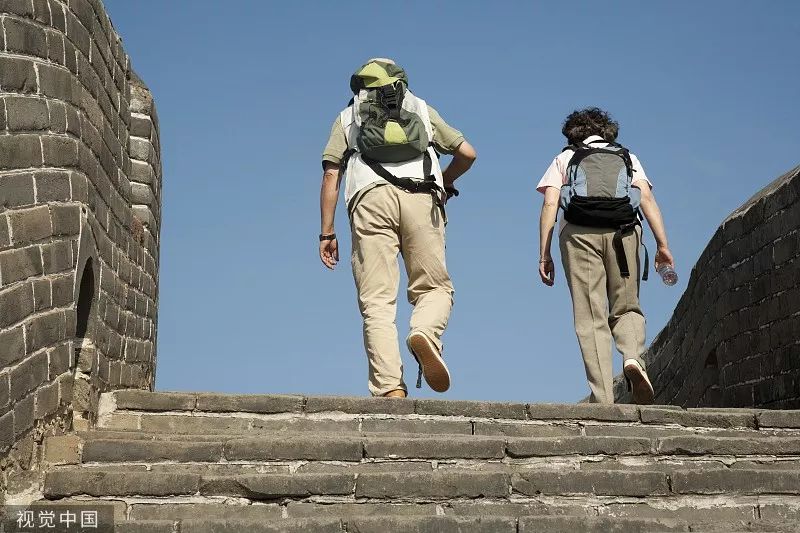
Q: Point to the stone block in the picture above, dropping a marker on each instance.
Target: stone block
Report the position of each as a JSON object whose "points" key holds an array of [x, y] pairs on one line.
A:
{"points": [[584, 411], [525, 430], [571, 524], [295, 425], [55, 52], [779, 419], [543, 447], [353, 405], [692, 418], [434, 448], [46, 330], [42, 294], [23, 37], [204, 511], [141, 400], [30, 225], [57, 257], [146, 526], [597, 482], [66, 219], [436, 485], [432, 524], [93, 482], [273, 486], [427, 427], [348, 510], [27, 114], [62, 289], [6, 430], [59, 361], [12, 343], [46, 400], [23, 415], [16, 190], [28, 375], [250, 403], [5, 236], [59, 151], [18, 76], [5, 391], [62, 450], [736, 481], [472, 409], [283, 526], [299, 447], [142, 194], [117, 450]]}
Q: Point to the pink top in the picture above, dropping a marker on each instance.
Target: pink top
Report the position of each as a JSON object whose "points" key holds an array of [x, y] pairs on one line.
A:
{"points": [[556, 173]]}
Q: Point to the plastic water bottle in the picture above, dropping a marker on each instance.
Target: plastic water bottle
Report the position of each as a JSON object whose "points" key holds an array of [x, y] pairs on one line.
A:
{"points": [[668, 274]]}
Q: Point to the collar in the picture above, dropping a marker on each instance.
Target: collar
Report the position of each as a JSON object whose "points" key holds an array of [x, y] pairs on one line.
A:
{"points": [[593, 139]]}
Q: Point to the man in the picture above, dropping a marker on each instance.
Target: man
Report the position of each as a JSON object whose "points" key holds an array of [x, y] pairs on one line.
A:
{"points": [[602, 188], [385, 144]]}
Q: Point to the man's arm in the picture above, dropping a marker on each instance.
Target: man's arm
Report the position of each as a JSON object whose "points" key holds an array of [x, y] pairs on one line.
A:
{"points": [[547, 221], [328, 197], [463, 158], [652, 213]]}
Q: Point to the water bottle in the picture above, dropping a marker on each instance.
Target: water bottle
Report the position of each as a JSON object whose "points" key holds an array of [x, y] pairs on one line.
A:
{"points": [[668, 274]]}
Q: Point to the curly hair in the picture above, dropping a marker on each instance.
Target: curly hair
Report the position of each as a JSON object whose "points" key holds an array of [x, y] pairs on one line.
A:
{"points": [[583, 123]]}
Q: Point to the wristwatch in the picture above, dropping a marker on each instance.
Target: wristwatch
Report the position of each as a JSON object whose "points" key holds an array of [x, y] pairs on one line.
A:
{"points": [[327, 237]]}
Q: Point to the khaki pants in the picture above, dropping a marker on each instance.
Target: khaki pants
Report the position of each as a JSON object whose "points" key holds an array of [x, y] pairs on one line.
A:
{"points": [[604, 304], [385, 221]]}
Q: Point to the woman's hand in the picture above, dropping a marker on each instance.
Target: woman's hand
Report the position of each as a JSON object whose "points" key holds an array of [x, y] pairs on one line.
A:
{"points": [[547, 271]]}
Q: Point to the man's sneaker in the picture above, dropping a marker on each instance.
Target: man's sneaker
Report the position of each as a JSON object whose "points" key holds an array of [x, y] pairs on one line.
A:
{"points": [[430, 362], [643, 393]]}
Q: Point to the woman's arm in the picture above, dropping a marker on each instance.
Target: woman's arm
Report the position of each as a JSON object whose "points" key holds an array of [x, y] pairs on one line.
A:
{"points": [[547, 221], [652, 213]]}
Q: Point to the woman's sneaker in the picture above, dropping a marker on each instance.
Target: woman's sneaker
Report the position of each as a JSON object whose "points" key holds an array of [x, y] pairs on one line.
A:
{"points": [[643, 393], [430, 361]]}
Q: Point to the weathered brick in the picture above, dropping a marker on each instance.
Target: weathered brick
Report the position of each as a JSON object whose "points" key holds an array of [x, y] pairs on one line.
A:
{"points": [[12, 344], [431, 524], [731, 419], [521, 447], [62, 449], [42, 294], [6, 430], [25, 38], [46, 400], [52, 186], [15, 303], [347, 510], [317, 404], [779, 419], [435, 448], [5, 235], [66, 219], [72, 482], [116, 450], [30, 225], [736, 481], [5, 391], [205, 512], [427, 427], [442, 484], [60, 151], [592, 524], [45, 330], [526, 429], [57, 83], [300, 447], [583, 411], [62, 290], [55, 48], [251, 403], [599, 483], [57, 257], [704, 445], [155, 401], [471, 409], [23, 415], [272, 486], [17, 75], [59, 361], [27, 114], [28, 375]]}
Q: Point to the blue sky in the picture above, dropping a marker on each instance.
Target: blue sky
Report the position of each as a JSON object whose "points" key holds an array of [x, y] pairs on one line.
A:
{"points": [[706, 94]]}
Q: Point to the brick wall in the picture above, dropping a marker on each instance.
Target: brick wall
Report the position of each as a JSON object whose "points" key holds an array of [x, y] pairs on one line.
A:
{"points": [[734, 339], [80, 191]]}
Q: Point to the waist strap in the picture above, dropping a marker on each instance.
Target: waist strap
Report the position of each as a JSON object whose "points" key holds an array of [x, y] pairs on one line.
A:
{"points": [[622, 258], [427, 185]]}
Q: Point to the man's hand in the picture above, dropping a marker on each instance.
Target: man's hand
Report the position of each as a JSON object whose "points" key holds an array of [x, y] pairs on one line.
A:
{"points": [[329, 253], [664, 257], [547, 271]]}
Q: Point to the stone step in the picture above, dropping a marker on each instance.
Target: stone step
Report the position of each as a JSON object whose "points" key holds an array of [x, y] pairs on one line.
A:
{"points": [[135, 402], [421, 485], [441, 524], [117, 447]]}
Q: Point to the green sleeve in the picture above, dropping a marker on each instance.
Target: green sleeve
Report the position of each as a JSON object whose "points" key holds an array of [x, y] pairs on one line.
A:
{"points": [[445, 137], [337, 144]]}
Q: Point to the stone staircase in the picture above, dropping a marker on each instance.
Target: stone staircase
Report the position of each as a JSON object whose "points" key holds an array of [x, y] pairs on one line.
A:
{"points": [[192, 462]]}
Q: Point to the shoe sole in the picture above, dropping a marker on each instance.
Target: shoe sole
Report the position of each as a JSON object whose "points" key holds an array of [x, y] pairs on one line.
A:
{"points": [[433, 368], [643, 393]]}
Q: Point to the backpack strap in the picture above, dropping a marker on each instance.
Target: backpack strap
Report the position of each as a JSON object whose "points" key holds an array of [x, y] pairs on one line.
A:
{"points": [[428, 185], [622, 258]]}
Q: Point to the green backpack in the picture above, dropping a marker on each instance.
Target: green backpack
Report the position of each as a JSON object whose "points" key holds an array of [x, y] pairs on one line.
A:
{"points": [[388, 133]]}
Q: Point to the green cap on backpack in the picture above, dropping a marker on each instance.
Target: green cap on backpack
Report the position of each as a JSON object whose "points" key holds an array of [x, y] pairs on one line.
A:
{"points": [[377, 73]]}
